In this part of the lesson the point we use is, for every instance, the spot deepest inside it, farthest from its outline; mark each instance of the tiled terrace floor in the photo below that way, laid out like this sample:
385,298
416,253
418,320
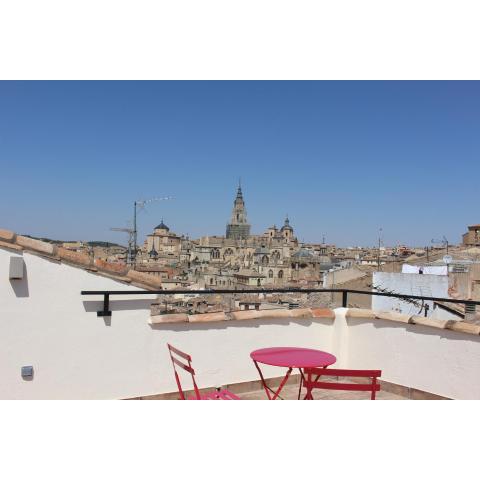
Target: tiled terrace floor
290,392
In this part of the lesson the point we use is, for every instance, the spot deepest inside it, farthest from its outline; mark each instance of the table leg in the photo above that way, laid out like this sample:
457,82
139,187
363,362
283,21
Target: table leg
302,378
284,381
267,388
263,381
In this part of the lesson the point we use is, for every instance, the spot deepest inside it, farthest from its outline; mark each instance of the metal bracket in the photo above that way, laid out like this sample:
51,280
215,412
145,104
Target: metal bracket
106,305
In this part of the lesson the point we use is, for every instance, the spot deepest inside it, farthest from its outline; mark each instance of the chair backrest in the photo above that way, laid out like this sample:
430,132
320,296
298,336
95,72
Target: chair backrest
312,376
184,361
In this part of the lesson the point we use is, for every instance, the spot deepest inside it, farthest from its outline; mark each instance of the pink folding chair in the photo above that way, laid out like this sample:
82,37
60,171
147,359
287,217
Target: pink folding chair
312,376
177,362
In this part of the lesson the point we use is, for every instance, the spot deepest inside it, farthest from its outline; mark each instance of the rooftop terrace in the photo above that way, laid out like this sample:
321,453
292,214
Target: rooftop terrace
47,324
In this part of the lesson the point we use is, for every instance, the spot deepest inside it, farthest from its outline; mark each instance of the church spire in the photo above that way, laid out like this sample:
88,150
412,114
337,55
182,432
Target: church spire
238,228
239,190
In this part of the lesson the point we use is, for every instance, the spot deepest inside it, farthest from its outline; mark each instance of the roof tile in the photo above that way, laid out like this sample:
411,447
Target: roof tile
360,313
323,313
429,322
168,318
11,246
7,235
144,278
118,268
393,316
36,245
464,327
74,257
207,317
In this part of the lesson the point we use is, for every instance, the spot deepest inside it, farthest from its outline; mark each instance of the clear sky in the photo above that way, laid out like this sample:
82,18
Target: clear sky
343,159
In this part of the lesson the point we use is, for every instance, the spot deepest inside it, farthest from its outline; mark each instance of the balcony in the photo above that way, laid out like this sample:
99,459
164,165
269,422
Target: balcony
420,358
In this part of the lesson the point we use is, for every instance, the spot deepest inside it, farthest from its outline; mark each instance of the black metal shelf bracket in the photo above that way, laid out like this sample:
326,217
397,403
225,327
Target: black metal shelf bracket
106,305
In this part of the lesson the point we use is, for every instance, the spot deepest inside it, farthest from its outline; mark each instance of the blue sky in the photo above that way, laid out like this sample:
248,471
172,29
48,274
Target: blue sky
343,159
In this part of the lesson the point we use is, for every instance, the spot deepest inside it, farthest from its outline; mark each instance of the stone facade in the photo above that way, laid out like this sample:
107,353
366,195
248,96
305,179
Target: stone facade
238,228
239,258
472,237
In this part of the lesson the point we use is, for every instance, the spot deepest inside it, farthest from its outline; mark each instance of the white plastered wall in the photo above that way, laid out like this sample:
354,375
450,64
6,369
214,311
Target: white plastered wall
46,323
438,361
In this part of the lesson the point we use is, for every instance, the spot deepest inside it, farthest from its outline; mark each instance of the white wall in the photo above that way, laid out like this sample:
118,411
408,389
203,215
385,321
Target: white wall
45,322
438,361
408,284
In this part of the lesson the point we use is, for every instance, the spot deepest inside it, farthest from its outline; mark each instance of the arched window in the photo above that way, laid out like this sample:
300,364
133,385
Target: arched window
265,260
259,284
270,274
280,274
276,256
211,281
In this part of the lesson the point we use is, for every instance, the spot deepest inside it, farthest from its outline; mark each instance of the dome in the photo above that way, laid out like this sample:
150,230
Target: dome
302,254
286,226
162,226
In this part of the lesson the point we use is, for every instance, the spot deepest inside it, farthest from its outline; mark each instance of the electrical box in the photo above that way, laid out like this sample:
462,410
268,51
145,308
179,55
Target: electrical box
17,265
27,371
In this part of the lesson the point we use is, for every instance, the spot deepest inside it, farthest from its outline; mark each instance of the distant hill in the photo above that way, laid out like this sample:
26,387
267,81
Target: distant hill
98,243
93,243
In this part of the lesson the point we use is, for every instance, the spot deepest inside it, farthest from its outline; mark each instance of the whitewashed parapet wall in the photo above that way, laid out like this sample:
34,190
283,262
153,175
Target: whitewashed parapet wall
46,323
436,356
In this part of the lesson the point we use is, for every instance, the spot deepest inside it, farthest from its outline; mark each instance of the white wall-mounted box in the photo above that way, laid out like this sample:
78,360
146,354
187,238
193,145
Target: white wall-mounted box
17,265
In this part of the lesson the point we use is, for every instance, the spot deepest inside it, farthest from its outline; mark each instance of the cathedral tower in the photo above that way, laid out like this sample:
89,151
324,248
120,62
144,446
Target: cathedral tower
238,228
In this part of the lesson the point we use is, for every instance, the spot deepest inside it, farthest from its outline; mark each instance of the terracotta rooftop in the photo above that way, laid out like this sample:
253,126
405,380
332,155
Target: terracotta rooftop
325,313
117,271
120,272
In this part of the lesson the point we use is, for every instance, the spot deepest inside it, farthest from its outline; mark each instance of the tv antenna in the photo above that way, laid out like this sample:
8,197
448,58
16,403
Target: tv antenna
380,242
137,206
443,242
129,259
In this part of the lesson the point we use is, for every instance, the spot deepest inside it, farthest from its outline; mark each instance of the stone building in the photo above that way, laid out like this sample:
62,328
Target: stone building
472,237
162,242
238,228
273,258
249,278
269,259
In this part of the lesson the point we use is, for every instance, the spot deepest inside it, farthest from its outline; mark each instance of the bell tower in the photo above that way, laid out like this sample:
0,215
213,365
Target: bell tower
238,228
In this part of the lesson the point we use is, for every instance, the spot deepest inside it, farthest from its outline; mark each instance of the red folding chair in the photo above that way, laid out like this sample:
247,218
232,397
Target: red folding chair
312,376
176,362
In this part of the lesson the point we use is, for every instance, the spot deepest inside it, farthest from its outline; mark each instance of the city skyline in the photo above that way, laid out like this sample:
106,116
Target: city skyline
344,159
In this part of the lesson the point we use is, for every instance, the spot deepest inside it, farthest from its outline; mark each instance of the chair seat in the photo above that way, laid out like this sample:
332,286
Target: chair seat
217,395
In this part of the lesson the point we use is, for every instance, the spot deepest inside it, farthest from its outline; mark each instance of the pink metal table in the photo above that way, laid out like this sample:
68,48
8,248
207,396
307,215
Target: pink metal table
290,357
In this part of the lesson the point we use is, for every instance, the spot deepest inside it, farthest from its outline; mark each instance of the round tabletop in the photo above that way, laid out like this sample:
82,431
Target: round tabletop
293,357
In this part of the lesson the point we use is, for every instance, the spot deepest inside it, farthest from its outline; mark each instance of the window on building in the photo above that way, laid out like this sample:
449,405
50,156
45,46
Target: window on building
280,274
270,274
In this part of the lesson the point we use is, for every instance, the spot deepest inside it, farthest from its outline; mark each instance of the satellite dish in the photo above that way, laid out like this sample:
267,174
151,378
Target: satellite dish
447,259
